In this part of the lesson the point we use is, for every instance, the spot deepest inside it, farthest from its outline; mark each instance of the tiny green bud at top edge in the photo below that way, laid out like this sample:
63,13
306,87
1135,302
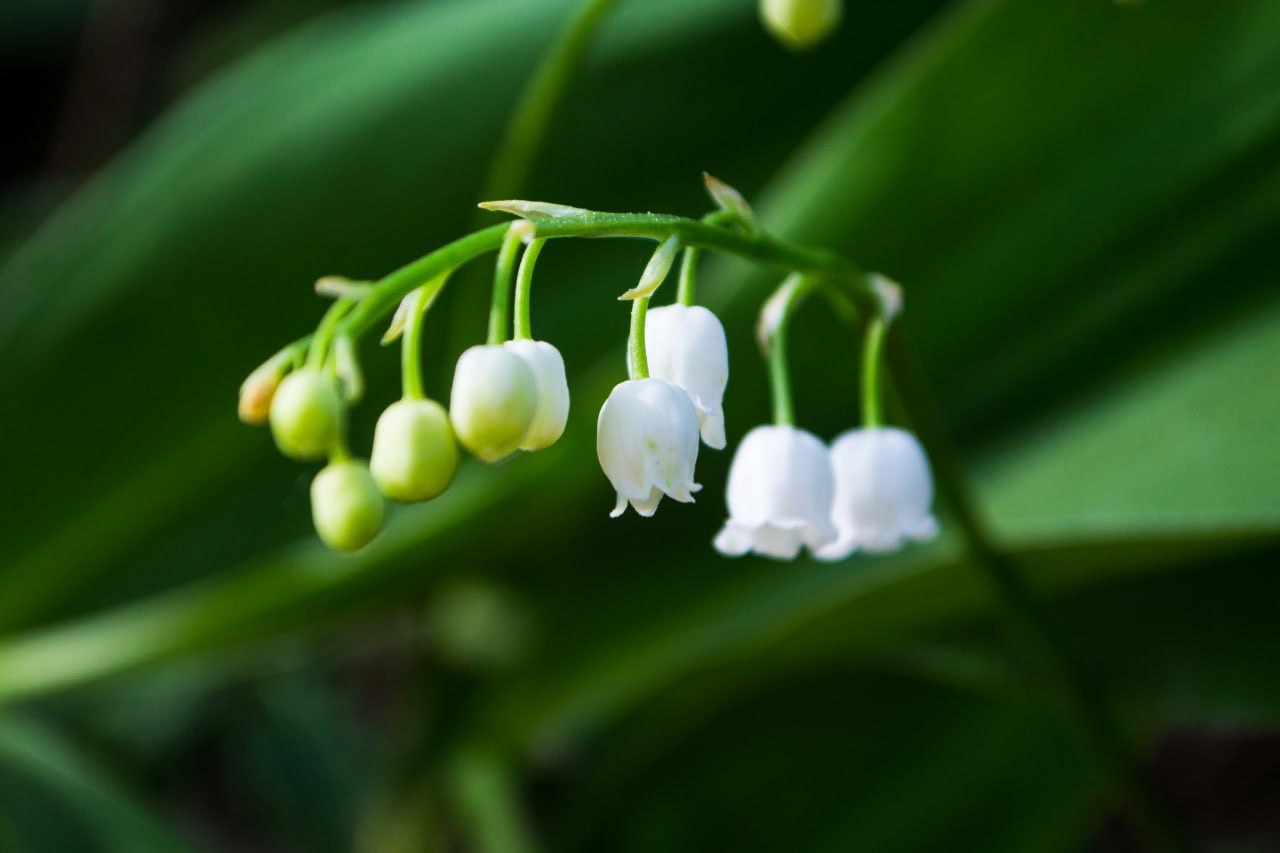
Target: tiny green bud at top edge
800,24
346,506
414,454
306,415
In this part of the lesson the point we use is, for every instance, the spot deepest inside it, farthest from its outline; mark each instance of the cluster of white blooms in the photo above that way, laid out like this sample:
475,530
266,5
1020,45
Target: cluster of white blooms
870,491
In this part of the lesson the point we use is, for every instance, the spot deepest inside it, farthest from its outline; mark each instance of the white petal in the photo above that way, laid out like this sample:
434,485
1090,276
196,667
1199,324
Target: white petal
647,443
552,412
733,540
686,347
492,402
779,493
883,489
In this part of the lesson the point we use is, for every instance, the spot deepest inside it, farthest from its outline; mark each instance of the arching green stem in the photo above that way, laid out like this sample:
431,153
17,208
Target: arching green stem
524,289
687,293
420,302
872,350
411,347
323,338
775,327
637,357
818,264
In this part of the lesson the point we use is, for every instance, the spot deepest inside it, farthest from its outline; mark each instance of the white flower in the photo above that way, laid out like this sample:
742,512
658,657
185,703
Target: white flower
552,391
493,401
686,346
647,442
883,492
779,495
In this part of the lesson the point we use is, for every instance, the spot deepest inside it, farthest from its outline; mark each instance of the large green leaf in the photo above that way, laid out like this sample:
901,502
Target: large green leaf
1062,206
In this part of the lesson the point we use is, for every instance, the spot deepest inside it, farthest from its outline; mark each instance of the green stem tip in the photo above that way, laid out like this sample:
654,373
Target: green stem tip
524,289
637,357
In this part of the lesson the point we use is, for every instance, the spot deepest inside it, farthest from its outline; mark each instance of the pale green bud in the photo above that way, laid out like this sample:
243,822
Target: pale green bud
800,24
256,394
414,455
493,401
346,506
306,415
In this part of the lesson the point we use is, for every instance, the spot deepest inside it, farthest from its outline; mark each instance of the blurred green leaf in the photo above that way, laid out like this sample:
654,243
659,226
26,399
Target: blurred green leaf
1184,442
54,798
835,760
1079,199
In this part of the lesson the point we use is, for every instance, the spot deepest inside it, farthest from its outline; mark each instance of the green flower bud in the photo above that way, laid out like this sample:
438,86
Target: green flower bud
259,389
493,401
306,415
346,506
414,455
800,24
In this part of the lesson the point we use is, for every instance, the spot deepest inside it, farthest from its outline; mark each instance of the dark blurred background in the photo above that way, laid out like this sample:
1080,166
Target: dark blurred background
1080,198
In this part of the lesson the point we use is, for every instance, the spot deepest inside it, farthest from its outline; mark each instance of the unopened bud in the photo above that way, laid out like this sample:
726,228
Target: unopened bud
493,401
258,390
346,506
800,24
414,455
306,415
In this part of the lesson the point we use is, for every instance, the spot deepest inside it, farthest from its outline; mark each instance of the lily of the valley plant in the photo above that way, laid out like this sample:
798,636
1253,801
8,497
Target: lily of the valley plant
870,491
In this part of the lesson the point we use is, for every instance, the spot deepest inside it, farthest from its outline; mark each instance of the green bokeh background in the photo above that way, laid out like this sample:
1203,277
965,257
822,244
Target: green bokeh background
1082,200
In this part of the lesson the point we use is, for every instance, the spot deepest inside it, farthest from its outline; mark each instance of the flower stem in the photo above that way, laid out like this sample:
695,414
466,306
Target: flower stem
500,308
817,264
411,346
323,338
872,349
687,293
637,357
1034,632
524,289
785,301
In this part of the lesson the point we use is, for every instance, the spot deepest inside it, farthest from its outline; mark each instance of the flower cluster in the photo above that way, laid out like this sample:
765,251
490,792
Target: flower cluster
870,491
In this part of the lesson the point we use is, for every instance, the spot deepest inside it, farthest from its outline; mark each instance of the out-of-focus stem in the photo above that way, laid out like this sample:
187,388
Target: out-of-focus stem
527,128
1034,632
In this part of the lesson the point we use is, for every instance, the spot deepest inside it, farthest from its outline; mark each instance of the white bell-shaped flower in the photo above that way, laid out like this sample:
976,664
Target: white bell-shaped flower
686,346
493,401
647,442
884,492
779,495
552,388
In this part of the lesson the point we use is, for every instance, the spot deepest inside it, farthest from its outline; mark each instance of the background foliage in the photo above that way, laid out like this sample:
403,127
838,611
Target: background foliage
1081,198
